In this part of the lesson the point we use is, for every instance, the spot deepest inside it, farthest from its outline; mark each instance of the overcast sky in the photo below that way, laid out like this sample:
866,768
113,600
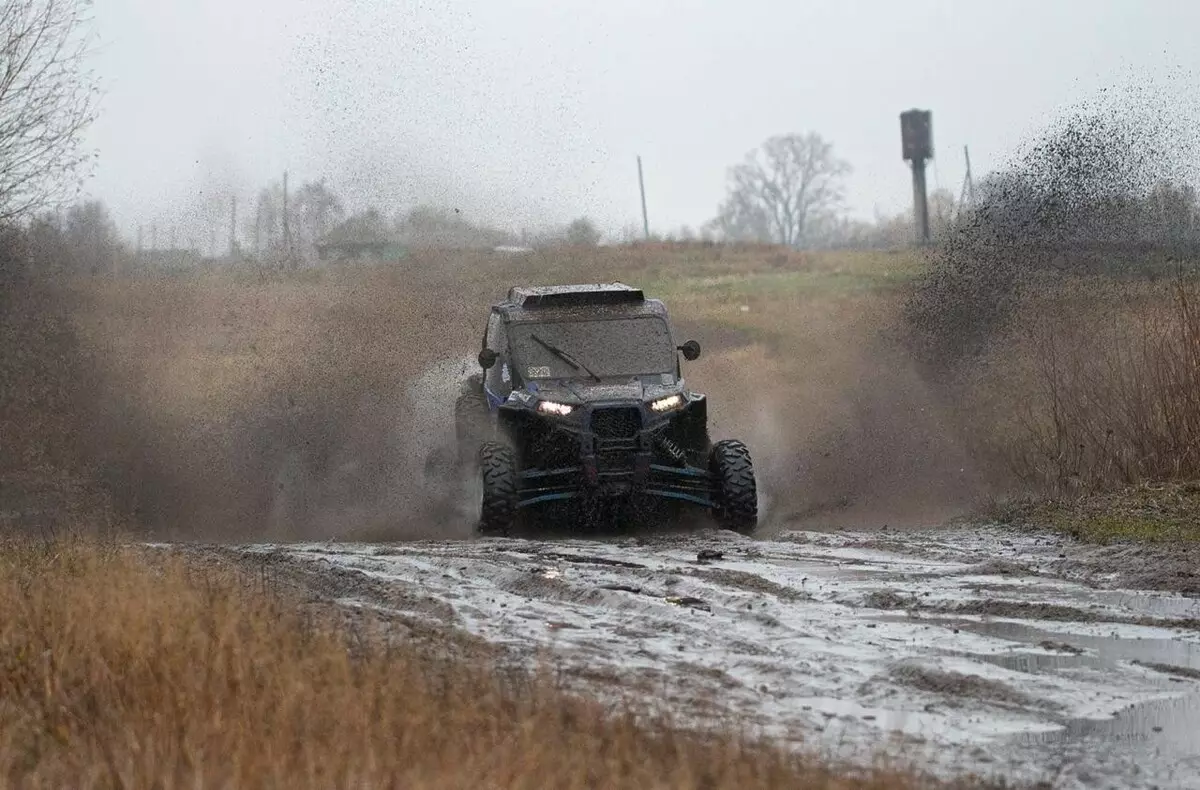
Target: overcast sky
530,112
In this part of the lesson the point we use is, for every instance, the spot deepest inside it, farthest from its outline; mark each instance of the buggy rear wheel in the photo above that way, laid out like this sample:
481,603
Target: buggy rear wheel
735,488
498,499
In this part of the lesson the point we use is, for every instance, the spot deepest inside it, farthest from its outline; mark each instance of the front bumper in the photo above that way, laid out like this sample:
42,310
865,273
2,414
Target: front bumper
614,450
680,483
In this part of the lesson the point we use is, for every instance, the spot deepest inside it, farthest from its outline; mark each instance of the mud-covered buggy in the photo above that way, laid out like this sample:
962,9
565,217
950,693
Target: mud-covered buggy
581,410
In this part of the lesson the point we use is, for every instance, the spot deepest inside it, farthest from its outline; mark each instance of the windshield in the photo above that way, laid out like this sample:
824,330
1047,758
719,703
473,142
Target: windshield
607,348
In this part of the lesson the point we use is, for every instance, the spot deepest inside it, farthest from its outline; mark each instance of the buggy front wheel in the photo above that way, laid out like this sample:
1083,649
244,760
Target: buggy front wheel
736,492
498,499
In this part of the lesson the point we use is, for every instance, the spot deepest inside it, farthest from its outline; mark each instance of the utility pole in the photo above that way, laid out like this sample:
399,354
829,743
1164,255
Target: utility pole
154,236
966,197
642,187
970,178
139,242
916,133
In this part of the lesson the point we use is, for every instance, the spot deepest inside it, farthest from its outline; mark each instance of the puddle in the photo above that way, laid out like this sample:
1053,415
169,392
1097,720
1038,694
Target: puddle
1172,723
1168,606
1106,649
1032,663
822,568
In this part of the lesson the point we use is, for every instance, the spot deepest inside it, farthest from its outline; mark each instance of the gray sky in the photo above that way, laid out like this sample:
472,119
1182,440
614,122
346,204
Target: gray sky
530,112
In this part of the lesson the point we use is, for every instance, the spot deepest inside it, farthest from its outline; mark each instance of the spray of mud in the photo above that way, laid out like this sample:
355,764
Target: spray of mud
861,442
1107,188
1104,197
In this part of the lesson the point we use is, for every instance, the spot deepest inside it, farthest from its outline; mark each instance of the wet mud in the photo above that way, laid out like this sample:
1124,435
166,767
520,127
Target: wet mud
974,651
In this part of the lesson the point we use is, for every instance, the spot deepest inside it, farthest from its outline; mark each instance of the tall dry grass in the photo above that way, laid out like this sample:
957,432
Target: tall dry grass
1099,386
127,668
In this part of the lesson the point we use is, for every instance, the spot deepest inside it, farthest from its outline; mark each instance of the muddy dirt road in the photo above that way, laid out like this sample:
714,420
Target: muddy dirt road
1005,653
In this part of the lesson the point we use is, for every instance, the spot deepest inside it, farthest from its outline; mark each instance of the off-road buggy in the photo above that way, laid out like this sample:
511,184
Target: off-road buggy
581,404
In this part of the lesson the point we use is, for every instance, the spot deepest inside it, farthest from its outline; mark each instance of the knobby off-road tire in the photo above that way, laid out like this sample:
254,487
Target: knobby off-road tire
736,490
498,474
472,424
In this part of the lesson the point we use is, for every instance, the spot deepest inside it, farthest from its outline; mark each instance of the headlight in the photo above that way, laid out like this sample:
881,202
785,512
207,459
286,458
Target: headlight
557,409
667,403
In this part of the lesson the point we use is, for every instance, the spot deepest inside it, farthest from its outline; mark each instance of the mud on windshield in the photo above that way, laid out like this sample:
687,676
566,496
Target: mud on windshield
605,348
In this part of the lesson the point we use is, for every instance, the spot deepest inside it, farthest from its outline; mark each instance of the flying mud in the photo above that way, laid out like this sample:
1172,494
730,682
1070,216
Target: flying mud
987,651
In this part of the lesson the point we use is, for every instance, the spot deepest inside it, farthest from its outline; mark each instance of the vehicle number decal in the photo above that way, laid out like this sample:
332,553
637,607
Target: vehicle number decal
539,372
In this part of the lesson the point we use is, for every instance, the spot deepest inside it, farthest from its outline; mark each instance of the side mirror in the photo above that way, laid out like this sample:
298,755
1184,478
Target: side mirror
691,350
487,358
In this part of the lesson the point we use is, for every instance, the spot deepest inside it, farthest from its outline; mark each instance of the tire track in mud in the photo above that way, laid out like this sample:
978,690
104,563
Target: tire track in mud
965,650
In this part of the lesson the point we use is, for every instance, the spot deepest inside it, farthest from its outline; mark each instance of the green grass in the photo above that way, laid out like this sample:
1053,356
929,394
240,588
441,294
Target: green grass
1150,513
828,274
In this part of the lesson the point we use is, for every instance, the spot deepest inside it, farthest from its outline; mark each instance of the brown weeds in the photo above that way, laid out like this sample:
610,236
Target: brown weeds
1100,387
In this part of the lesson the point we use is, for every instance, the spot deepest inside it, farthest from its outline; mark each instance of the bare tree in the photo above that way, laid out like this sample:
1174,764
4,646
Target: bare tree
582,232
92,238
781,190
264,226
47,98
316,210
83,239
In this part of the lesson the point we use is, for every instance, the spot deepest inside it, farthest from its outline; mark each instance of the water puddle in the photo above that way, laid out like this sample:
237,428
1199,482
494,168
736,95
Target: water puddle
1169,723
1105,649
1167,606
1033,663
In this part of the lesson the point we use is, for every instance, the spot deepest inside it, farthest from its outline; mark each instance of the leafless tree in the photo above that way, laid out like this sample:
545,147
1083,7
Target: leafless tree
781,190
582,232
83,239
47,99
316,210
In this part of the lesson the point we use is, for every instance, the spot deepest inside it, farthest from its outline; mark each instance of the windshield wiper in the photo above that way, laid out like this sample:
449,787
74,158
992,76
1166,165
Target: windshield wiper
564,356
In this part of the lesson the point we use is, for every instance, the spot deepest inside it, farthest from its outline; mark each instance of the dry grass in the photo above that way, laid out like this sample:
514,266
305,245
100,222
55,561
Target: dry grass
122,667
1100,387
